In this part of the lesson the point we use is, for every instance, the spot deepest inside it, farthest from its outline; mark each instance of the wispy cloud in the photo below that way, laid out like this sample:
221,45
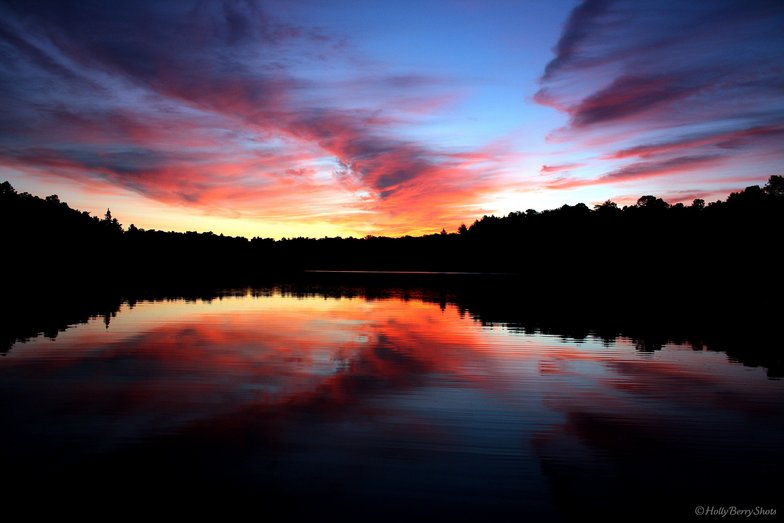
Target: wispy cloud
552,169
729,139
641,170
209,105
679,84
246,109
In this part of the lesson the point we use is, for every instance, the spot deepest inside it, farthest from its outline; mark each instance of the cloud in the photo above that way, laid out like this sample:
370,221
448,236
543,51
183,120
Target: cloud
642,170
214,105
576,31
730,139
627,96
668,81
551,169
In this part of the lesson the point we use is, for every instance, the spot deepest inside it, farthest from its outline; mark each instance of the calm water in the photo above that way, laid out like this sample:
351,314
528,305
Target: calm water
378,409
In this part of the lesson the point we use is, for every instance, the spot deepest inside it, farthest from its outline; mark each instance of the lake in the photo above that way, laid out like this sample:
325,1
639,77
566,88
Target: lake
377,406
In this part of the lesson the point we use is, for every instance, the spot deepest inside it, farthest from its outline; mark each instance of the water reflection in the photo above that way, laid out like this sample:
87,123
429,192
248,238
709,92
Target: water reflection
382,408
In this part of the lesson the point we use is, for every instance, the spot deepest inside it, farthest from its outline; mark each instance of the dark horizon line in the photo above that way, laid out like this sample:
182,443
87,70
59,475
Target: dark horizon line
775,181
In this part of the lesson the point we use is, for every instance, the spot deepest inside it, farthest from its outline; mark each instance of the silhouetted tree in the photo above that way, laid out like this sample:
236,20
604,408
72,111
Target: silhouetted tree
6,189
567,246
111,223
649,202
608,205
775,186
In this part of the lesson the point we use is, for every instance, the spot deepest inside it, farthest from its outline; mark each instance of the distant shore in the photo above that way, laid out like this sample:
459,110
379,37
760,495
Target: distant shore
643,249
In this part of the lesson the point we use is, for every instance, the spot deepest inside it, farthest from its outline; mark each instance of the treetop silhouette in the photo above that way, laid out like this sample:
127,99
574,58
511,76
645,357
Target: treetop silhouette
572,245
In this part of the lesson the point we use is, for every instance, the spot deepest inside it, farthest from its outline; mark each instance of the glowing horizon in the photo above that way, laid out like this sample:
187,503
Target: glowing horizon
285,119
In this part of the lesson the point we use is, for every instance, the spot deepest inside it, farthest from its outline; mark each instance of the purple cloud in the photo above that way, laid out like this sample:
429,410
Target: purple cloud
671,80
641,170
190,102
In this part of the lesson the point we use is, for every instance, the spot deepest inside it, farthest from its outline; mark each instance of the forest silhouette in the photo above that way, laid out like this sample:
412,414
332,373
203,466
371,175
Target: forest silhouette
647,247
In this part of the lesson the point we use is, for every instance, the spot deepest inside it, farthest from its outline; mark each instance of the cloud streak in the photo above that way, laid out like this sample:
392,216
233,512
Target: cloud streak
208,105
641,170
551,169
249,110
678,84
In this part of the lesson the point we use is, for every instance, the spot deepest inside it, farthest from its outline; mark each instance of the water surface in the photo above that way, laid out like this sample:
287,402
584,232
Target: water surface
379,409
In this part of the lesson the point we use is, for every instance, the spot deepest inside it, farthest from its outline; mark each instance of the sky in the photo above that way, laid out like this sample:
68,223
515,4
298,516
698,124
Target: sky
348,118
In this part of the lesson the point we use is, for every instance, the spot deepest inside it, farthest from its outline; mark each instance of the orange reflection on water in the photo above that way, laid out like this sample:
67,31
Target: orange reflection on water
259,350
402,392
277,348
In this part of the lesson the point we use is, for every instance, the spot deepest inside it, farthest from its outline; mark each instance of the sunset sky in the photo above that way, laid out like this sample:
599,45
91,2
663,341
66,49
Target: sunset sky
307,118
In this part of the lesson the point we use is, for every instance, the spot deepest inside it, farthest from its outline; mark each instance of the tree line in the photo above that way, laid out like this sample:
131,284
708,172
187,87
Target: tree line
606,247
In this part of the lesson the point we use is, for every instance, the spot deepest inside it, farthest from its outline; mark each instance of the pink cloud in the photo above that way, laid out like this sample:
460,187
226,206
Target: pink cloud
641,170
628,95
688,89
552,169
722,139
